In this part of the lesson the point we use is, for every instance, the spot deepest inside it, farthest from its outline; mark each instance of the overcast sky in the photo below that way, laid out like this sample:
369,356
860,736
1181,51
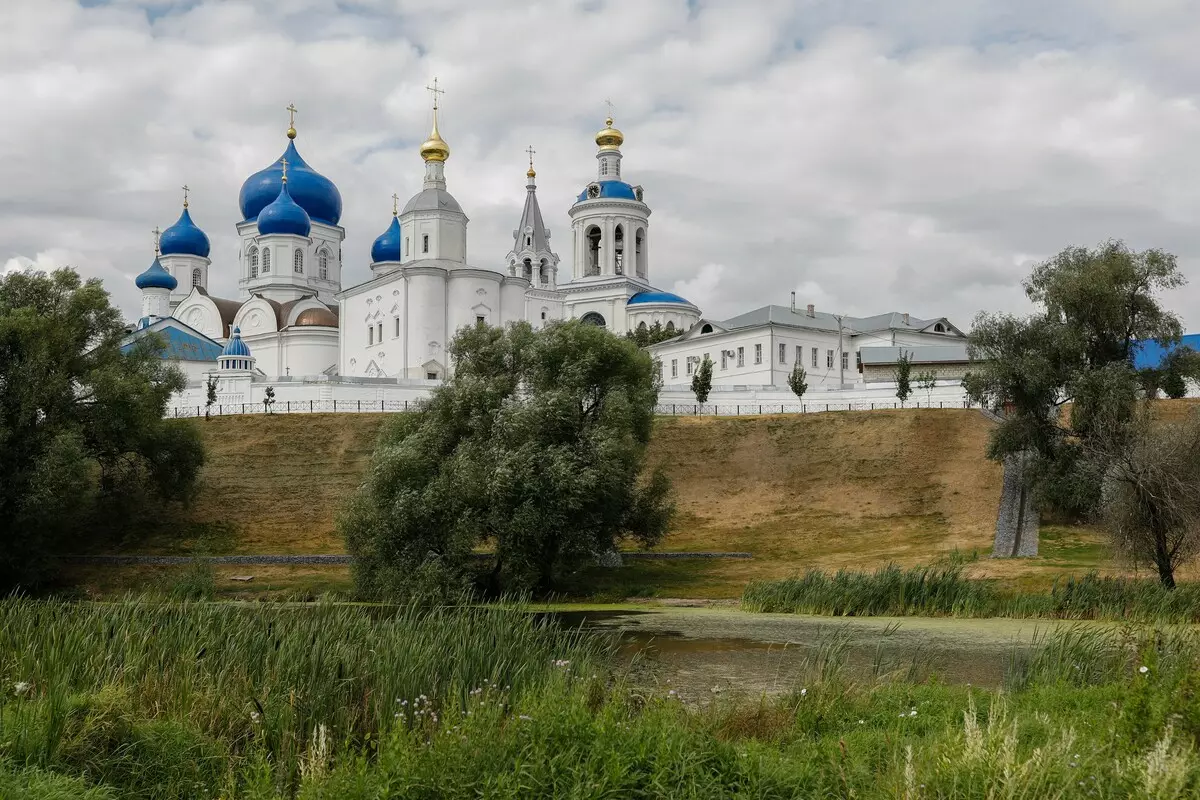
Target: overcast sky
871,155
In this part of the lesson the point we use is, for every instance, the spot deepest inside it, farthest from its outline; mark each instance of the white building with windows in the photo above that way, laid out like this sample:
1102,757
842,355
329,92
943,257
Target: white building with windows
387,337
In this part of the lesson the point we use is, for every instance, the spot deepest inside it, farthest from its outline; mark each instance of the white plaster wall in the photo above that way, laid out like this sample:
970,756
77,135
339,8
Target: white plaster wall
426,319
472,293
308,351
200,313
512,300
447,233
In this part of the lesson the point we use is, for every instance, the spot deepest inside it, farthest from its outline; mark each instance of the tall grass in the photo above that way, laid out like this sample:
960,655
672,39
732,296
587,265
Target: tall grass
224,681
945,591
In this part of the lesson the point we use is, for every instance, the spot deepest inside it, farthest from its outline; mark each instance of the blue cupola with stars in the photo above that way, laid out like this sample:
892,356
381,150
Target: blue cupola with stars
284,215
184,238
309,189
387,246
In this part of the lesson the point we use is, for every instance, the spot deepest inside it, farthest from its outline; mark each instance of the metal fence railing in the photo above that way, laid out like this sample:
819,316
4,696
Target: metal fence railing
662,409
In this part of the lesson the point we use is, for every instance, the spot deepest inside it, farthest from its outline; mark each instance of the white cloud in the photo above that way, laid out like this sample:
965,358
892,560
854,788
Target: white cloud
874,154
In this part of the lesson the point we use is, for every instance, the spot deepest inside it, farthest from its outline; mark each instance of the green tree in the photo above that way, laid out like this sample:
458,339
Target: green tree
927,382
702,380
85,450
903,376
798,380
1180,366
210,396
1095,305
269,399
646,336
535,446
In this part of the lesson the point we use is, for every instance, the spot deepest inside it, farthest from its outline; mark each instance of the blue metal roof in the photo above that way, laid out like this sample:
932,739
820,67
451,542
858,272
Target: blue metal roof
284,216
182,345
184,238
1151,353
656,297
155,277
387,246
235,346
618,190
311,190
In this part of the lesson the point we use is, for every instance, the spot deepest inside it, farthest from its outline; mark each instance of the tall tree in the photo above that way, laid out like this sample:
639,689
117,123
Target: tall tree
210,396
84,447
702,380
903,375
646,336
1076,351
534,446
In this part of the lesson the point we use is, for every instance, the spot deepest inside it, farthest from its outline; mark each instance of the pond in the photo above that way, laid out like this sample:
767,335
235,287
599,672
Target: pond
700,652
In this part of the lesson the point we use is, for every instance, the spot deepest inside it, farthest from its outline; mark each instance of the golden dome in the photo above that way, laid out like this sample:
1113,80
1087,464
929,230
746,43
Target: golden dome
531,173
435,148
610,138
320,317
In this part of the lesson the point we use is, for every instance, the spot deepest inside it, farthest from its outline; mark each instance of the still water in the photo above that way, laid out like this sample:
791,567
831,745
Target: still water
701,652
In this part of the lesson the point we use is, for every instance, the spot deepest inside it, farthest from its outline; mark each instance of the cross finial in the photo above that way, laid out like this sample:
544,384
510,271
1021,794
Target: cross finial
395,204
283,161
291,109
185,195
157,234
530,151
434,91
609,103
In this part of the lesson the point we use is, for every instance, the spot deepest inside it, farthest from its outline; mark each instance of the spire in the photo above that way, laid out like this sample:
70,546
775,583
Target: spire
291,109
531,174
531,228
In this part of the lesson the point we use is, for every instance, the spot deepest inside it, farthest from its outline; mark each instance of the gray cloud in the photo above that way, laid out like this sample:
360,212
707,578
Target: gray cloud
869,154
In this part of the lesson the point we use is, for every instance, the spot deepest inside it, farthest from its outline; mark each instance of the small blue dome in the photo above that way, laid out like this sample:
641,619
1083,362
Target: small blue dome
284,216
235,346
618,190
184,238
315,193
656,297
387,246
155,277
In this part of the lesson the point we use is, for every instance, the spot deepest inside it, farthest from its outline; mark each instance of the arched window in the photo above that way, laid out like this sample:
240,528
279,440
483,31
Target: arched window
253,262
266,261
528,271
196,276
592,263
639,252
298,261
708,329
406,245
670,327
323,265
939,328
528,241
425,243
619,249
641,327
604,166
592,318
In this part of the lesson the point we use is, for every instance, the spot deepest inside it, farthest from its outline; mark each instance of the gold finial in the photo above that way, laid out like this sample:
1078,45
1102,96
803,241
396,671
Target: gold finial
435,148
157,234
395,204
610,138
291,109
531,151
283,160
185,195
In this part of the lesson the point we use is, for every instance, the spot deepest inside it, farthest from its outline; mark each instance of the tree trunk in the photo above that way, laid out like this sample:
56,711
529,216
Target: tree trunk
1162,560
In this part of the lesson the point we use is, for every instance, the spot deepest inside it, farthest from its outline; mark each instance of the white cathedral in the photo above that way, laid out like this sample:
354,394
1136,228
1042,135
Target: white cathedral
293,314
295,327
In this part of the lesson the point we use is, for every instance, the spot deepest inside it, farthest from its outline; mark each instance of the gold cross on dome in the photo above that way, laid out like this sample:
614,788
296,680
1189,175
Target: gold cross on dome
395,204
291,109
283,161
434,91
157,233
185,195
609,103
531,151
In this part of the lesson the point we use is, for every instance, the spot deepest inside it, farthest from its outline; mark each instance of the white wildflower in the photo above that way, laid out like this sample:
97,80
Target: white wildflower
22,687
526,717
255,717
803,692
1143,669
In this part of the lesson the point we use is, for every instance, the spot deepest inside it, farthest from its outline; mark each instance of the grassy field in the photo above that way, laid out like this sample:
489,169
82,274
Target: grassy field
168,700
800,492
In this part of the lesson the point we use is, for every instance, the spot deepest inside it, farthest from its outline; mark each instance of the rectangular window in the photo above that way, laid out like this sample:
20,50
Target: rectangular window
431,376
688,364
397,327
845,361
828,359
758,354
814,358
674,368
724,359
370,334
406,245
381,332
741,356
782,353
425,243
480,320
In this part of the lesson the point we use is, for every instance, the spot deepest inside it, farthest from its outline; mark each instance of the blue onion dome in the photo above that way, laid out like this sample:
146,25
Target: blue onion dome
284,215
235,346
184,238
387,246
315,193
655,297
155,277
